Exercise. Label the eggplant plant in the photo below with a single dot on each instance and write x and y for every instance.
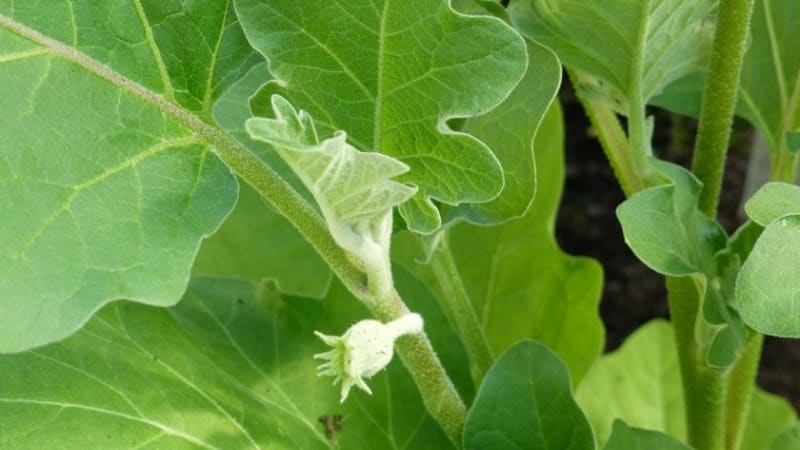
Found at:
(212, 211)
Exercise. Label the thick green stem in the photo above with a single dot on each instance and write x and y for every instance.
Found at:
(741, 383)
(459, 309)
(719, 99)
(704, 388)
(438, 392)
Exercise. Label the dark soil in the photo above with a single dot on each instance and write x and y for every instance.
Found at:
(587, 225)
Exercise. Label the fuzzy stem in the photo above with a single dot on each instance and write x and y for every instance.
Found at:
(613, 141)
(741, 383)
(703, 386)
(459, 308)
(437, 390)
(719, 99)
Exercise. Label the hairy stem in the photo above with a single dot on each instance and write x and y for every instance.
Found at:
(613, 141)
(439, 395)
(437, 390)
(460, 311)
(719, 99)
(741, 383)
(704, 387)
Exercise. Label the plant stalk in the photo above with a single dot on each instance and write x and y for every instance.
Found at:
(614, 143)
(704, 387)
(741, 383)
(719, 99)
(437, 390)
(459, 308)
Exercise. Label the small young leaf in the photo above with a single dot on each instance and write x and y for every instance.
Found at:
(525, 402)
(624, 437)
(625, 51)
(773, 201)
(392, 76)
(767, 290)
(352, 188)
(666, 230)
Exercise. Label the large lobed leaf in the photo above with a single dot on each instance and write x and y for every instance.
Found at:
(520, 282)
(391, 76)
(228, 368)
(103, 195)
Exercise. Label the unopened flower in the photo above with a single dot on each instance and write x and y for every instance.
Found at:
(363, 350)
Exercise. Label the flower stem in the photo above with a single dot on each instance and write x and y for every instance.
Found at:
(438, 393)
(719, 99)
(458, 306)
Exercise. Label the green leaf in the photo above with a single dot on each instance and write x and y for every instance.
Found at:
(624, 437)
(666, 230)
(767, 290)
(509, 130)
(625, 51)
(107, 184)
(664, 227)
(229, 367)
(520, 282)
(769, 88)
(353, 189)
(640, 384)
(391, 77)
(256, 243)
(525, 402)
(788, 440)
(772, 201)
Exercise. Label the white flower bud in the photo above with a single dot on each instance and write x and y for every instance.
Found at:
(363, 350)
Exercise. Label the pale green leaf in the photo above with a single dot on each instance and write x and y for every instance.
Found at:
(256, 243)
(625, 51)
(391, 76)
(229, 368)
(640, 384)
(107, 188)
(353, 189)
(525, 403)
(520, 282)
(772, 201)
(788, 440)
(767, 290)
(624, 437)
(509, 130)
